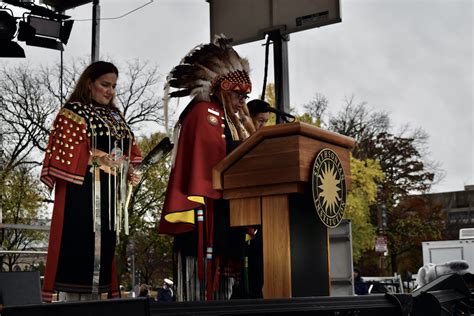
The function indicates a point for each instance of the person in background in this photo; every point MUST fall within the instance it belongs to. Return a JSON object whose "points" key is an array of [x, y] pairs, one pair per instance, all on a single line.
{"points": [[360, 286], [89, 163], [165, 293], [260, 112], [208, 252], [144, 291]]}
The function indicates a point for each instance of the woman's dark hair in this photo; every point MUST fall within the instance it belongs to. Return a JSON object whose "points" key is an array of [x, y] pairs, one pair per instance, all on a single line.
{"points": [[258, 106], [81, 92]]}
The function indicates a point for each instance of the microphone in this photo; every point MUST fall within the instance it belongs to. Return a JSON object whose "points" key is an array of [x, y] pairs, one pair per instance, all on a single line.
{"points": [[258, 106], [286, 117]]}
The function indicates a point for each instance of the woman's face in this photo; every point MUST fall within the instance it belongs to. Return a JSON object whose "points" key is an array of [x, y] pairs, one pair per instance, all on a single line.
{"points": [[261, 119], [103, 88]]}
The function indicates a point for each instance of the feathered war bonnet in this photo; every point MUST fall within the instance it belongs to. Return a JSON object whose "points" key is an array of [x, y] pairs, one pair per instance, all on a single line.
{"points": [[207, 67]]}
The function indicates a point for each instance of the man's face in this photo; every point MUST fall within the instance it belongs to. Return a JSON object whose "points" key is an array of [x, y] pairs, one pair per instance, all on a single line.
{"points": [[237, 100]]}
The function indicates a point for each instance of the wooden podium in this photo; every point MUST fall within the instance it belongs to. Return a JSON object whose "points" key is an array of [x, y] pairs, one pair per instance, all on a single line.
{"points": [[267, 180]]}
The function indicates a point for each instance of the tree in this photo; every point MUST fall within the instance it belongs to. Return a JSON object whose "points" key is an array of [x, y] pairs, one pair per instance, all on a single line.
{"points": [[360, 123], [137, 93], [270, 94], [365, 174], [154, 255], [315, 109], [152, 251], [402, 158], [21, 204], [414, 220], [403, 165], [25, 116], [30, 99], [270, 99], [363, 193]]}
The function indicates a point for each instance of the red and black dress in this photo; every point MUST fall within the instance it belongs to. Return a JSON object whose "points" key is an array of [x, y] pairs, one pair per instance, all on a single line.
{"points": [[88, 200]]}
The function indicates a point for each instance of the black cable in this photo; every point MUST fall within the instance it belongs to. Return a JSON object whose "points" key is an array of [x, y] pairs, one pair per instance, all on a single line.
{"points": [[61, 80], [120, 16], [265, 72]]}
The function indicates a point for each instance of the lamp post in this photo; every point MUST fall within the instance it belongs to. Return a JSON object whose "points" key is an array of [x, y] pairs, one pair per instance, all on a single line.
{"points": [[381, 239], [2, 166], [2, 107], [95, 31]]}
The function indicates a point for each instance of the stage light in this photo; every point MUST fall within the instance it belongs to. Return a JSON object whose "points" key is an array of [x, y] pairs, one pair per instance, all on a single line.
{"points": [[8, 48], [45, 32], [7, 26], [66, 31]]}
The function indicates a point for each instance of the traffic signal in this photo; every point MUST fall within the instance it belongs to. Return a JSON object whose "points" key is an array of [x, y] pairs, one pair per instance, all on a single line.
{"points": [[128, 264]]}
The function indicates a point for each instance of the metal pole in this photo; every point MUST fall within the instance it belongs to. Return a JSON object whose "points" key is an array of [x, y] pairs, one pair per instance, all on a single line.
{"points": [[2, 231], [95, 31], [280, 64], [1, 178], [2, 165], [133, 272]]}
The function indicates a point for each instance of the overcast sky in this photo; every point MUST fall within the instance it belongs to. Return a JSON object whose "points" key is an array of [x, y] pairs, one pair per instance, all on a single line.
{"points": [[411, 58]]}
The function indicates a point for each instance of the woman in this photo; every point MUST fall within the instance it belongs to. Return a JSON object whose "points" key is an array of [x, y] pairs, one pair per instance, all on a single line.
{"points": [[260, 112], [207, 249], [88, 162]]}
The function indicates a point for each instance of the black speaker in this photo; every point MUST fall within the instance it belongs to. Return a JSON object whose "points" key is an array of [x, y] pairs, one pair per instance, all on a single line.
{"points": [[20, 288], [115, 307], [447, 295]]}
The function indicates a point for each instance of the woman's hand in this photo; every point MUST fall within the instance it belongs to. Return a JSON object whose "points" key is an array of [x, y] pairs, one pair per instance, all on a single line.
{"points": [[107, 160], [134, 176]]}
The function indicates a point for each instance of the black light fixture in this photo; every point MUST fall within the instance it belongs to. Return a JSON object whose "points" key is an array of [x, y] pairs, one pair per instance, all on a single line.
{"points": [[45, 32], [9, 48]]}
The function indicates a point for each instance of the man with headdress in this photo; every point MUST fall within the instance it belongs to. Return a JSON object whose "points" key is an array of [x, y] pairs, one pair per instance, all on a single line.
{"points": [[207, 250]]}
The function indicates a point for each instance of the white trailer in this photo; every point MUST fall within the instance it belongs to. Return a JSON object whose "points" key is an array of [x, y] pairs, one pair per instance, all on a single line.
{"points": [[445, 250]]}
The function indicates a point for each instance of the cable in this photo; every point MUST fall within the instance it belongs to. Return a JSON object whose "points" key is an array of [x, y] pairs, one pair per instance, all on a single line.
{"points": [[120, 16], [265, 73]]}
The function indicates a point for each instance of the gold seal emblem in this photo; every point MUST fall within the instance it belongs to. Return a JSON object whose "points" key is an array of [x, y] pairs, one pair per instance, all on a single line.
{"points": [[329, 187], [212, 120]]}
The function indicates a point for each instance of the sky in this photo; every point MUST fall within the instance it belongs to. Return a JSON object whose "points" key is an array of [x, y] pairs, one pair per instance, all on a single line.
{"points": [[410, 58]]}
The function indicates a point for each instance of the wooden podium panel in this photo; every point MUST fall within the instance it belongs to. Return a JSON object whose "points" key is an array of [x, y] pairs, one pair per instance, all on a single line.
{"points": [[276, 247], [246, 212], [267, 180], [277, 159], [264, 165]]}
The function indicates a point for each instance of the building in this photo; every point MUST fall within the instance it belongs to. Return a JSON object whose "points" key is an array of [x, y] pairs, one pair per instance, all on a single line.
{"points": [[459, 206]]}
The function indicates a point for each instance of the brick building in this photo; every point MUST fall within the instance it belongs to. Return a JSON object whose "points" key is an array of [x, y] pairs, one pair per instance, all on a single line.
{"points": [[459, 206]]}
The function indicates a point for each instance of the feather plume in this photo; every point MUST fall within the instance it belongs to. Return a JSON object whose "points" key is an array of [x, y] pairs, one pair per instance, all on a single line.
{"points": [[203, 66]]}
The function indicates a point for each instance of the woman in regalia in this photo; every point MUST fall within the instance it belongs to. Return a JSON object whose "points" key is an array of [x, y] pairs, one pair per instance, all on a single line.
{"points": [[89, 164]]}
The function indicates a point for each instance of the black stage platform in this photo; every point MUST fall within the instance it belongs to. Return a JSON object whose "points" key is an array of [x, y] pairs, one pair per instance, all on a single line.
{"points": [[448, 295], [386, 305]]}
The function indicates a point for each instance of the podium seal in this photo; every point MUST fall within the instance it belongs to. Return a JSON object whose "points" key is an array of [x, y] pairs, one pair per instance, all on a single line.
{"points": [[329, 187]]}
